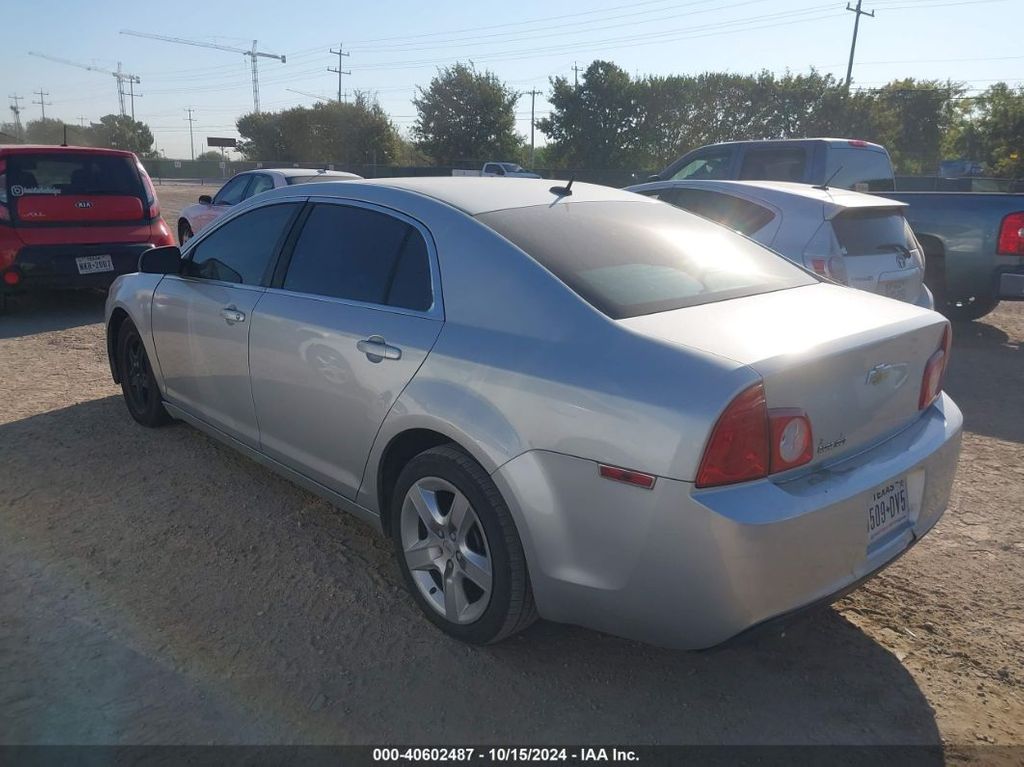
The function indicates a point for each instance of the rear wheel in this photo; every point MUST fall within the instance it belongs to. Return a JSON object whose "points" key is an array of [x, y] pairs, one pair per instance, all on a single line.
{"points": [[458, 548], [965, 311], [138, 384], [184, 232]]}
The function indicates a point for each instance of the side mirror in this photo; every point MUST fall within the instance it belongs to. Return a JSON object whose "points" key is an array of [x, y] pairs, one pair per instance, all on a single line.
{"points": [[654, 177], [206, 199], [165, 260]]}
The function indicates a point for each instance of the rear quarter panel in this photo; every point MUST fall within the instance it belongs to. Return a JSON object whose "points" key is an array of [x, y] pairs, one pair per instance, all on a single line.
{"points": [[133, 295]]}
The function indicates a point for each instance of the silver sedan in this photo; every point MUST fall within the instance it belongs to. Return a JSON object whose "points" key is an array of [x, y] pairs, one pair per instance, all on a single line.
{"points": [[557, 400]]}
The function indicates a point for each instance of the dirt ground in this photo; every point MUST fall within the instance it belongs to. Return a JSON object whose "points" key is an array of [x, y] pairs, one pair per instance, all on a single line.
{"points": [[156, 587]]}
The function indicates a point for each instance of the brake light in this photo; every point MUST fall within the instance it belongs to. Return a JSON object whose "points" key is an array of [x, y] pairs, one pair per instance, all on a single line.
{"points": [[738, 448], [859, 143], [834, 268], [1011, 235], [935, 371], [152, 203], [628, 476], [12, 277]]}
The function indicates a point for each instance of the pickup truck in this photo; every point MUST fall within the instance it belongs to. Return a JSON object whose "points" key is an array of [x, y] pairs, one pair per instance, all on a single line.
{"points": [[973, 241]]}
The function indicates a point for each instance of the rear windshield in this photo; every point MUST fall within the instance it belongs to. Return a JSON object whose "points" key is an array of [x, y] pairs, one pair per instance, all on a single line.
{"points": [[872, 231], [308, 179], [860, 168], [57, 174], [632, 258]]}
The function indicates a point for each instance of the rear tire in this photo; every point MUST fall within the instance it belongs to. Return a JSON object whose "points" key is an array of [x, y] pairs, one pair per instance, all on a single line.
{"points": [[184, 232], [458, 548], [973, 310], [138, 384]]}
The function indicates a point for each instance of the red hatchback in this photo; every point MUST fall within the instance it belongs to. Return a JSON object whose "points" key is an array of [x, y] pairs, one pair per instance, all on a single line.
{"points": [[73, 217]]}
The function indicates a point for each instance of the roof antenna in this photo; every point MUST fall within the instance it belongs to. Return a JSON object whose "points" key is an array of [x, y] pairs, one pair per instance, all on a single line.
{"points": [[563, 191], [824, 187]]}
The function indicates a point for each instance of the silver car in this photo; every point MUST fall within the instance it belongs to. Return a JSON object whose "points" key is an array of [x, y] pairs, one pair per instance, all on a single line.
{"points": [[859, 240], [240, 188], [556, 399]]}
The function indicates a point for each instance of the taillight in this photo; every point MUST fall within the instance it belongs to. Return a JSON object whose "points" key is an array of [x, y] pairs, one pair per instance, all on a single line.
{"points": [[834, 268], [152, 203], [935, 371], [738, 448], [1011, 235], [5, 213], [750, 441], [859, 143], [12, 277]]}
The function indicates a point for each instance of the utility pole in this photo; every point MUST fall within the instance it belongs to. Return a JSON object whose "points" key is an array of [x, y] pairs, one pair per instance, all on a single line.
{"points": [[339, 71], [16, 109], [81, 121], [576, 74], [533, 103], [191, 140], [43, 103], [853, 45]]}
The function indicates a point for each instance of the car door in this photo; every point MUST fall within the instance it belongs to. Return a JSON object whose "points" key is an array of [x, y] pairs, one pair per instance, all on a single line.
{"points": [[346, 324], [232, 193], [200, 318]]}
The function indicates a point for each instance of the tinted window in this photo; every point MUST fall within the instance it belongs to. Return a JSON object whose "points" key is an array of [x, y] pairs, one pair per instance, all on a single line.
{"points": [[786, 164], [261, 182], [859, 168], [55, 174], [633, 258], [308, 179], [242, 249], [361, 255], [872, 231], [739, 215], [231, 193], [711, 165]]}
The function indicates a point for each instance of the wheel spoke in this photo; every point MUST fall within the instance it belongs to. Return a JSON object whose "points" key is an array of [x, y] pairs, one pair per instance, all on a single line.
{"points": [[425, 503], [454, 596], [421, 555], [460, 517], [477, 568]]}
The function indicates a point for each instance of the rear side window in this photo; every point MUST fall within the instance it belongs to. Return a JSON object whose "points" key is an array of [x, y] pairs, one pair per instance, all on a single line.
{"points": [[261, 182], [784, 164], [711, 165], [361, 255], [243, 249], [872, 231], [861, 169], [739, 215], [72, 173], [632, 258]]}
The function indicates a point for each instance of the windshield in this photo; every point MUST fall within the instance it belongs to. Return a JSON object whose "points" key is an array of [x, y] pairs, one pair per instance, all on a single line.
{"points": [[511, 167], [632, 258]]}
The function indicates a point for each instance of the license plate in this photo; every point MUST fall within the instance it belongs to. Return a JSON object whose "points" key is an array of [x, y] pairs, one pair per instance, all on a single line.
{"points": [[888, 508], [894, 289], [90, 264]]}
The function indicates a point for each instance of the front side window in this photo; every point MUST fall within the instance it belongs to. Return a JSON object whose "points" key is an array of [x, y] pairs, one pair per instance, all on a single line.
{"points": [[632, 258], [243, 249], [712, 165], [232, 192], [784, 164], [739, 215], [361, 255]]}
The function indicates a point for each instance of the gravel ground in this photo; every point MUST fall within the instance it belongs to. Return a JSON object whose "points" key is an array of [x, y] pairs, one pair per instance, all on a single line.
{"points": [[156, 587]]}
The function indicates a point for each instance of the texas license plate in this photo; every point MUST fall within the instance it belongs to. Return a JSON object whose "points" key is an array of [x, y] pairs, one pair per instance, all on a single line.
{"points": [[90, 264], [894, 289], [888, 508]]}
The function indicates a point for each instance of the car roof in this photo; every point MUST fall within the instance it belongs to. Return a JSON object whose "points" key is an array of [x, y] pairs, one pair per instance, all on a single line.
{"points": [[782, 192], [475, 195], [9, 149], [860, 144], [289, 172]]}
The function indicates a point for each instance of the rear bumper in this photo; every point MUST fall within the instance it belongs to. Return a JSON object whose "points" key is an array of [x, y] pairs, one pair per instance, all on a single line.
{"points": [[691, 568], [54, 266], [1010, 286]]}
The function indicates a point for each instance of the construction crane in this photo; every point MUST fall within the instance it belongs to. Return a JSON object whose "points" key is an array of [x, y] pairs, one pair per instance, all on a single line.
{"points": [[121, 77], [252, 53]]}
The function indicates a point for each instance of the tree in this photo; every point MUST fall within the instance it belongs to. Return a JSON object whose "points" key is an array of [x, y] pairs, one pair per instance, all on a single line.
{"points": [[466, 115], [357, 133], [998, 135], [122, 132], [45, 131], [210, 155]]}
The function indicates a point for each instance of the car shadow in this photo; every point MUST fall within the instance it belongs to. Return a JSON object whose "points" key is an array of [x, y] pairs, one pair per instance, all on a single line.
{"points": [[985, 376], [44, 312], [230, 586]]}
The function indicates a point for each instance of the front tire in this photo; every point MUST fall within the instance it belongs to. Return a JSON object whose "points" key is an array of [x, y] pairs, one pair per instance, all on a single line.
{"points": [[138, 384], [458, 548]]}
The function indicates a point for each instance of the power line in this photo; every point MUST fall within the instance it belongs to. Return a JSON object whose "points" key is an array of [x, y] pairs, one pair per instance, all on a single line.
{"points": [[43, 103], [853, 45], [191, 138], [340, 54]]}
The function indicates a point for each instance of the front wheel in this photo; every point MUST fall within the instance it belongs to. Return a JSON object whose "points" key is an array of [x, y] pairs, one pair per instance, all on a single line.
{"points": [[138, 384], [458, 548]]}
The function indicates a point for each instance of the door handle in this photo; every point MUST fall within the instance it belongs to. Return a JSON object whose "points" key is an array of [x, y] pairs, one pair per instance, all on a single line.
{"points": [[231, 315], [376, 349]]}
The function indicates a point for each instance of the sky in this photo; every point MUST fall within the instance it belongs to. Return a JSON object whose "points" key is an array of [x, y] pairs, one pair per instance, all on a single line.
{"points": [[397, 45]]}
